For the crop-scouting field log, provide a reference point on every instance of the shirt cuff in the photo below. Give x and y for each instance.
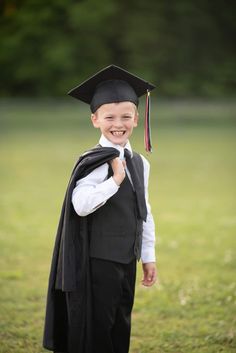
(148, 255)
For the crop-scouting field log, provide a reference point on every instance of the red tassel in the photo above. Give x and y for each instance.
(147, 128)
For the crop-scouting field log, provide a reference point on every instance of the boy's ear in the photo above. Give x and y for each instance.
(136, 117)
(94, 119)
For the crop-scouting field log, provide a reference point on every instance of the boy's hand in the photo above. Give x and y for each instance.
(149, 274)
(118, 167)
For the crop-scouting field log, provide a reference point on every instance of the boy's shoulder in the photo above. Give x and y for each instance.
(92, 159)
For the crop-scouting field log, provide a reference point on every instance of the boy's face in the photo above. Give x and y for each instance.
(116, 121)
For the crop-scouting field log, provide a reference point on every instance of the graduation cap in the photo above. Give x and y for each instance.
(112, 85)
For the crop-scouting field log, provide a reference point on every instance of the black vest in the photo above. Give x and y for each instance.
(115, 228)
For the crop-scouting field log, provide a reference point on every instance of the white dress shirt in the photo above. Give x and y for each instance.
(95, 189)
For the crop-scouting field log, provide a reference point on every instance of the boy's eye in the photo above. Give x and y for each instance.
(108, 117)
(127, 117)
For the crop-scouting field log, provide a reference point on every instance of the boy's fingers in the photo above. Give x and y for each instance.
(124, 163)
(147, 283)
(149, 278)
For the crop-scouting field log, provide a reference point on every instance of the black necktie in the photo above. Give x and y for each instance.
(138, 187)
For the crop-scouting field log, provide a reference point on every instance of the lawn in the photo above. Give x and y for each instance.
(192, 192)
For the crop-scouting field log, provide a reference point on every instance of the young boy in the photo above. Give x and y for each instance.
(105, 227)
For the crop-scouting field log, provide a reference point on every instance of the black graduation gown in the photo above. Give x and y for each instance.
(70, 262)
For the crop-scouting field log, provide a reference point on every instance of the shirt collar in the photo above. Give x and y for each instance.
(104, 142)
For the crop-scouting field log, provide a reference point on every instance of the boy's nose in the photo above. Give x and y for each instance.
(118, 123)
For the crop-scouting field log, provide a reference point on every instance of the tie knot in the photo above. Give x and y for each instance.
(127, 154)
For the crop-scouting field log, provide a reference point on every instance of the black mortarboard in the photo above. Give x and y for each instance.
(112, 85)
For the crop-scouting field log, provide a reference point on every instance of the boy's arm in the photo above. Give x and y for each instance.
(148, 242)
(95, 189)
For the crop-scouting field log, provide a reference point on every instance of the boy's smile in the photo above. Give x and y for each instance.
(116, 121)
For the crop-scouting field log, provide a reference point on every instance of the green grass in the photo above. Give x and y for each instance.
(192, 192)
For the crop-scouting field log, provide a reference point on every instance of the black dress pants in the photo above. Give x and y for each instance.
(113, 286)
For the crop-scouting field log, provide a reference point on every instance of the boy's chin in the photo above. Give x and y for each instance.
(118, 140)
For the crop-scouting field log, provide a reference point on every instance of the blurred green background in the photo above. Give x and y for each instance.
(187, 49)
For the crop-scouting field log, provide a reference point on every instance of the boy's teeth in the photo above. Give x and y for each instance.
(117, 133)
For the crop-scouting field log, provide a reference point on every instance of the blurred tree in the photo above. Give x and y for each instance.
(186, 47)
(45, 44)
